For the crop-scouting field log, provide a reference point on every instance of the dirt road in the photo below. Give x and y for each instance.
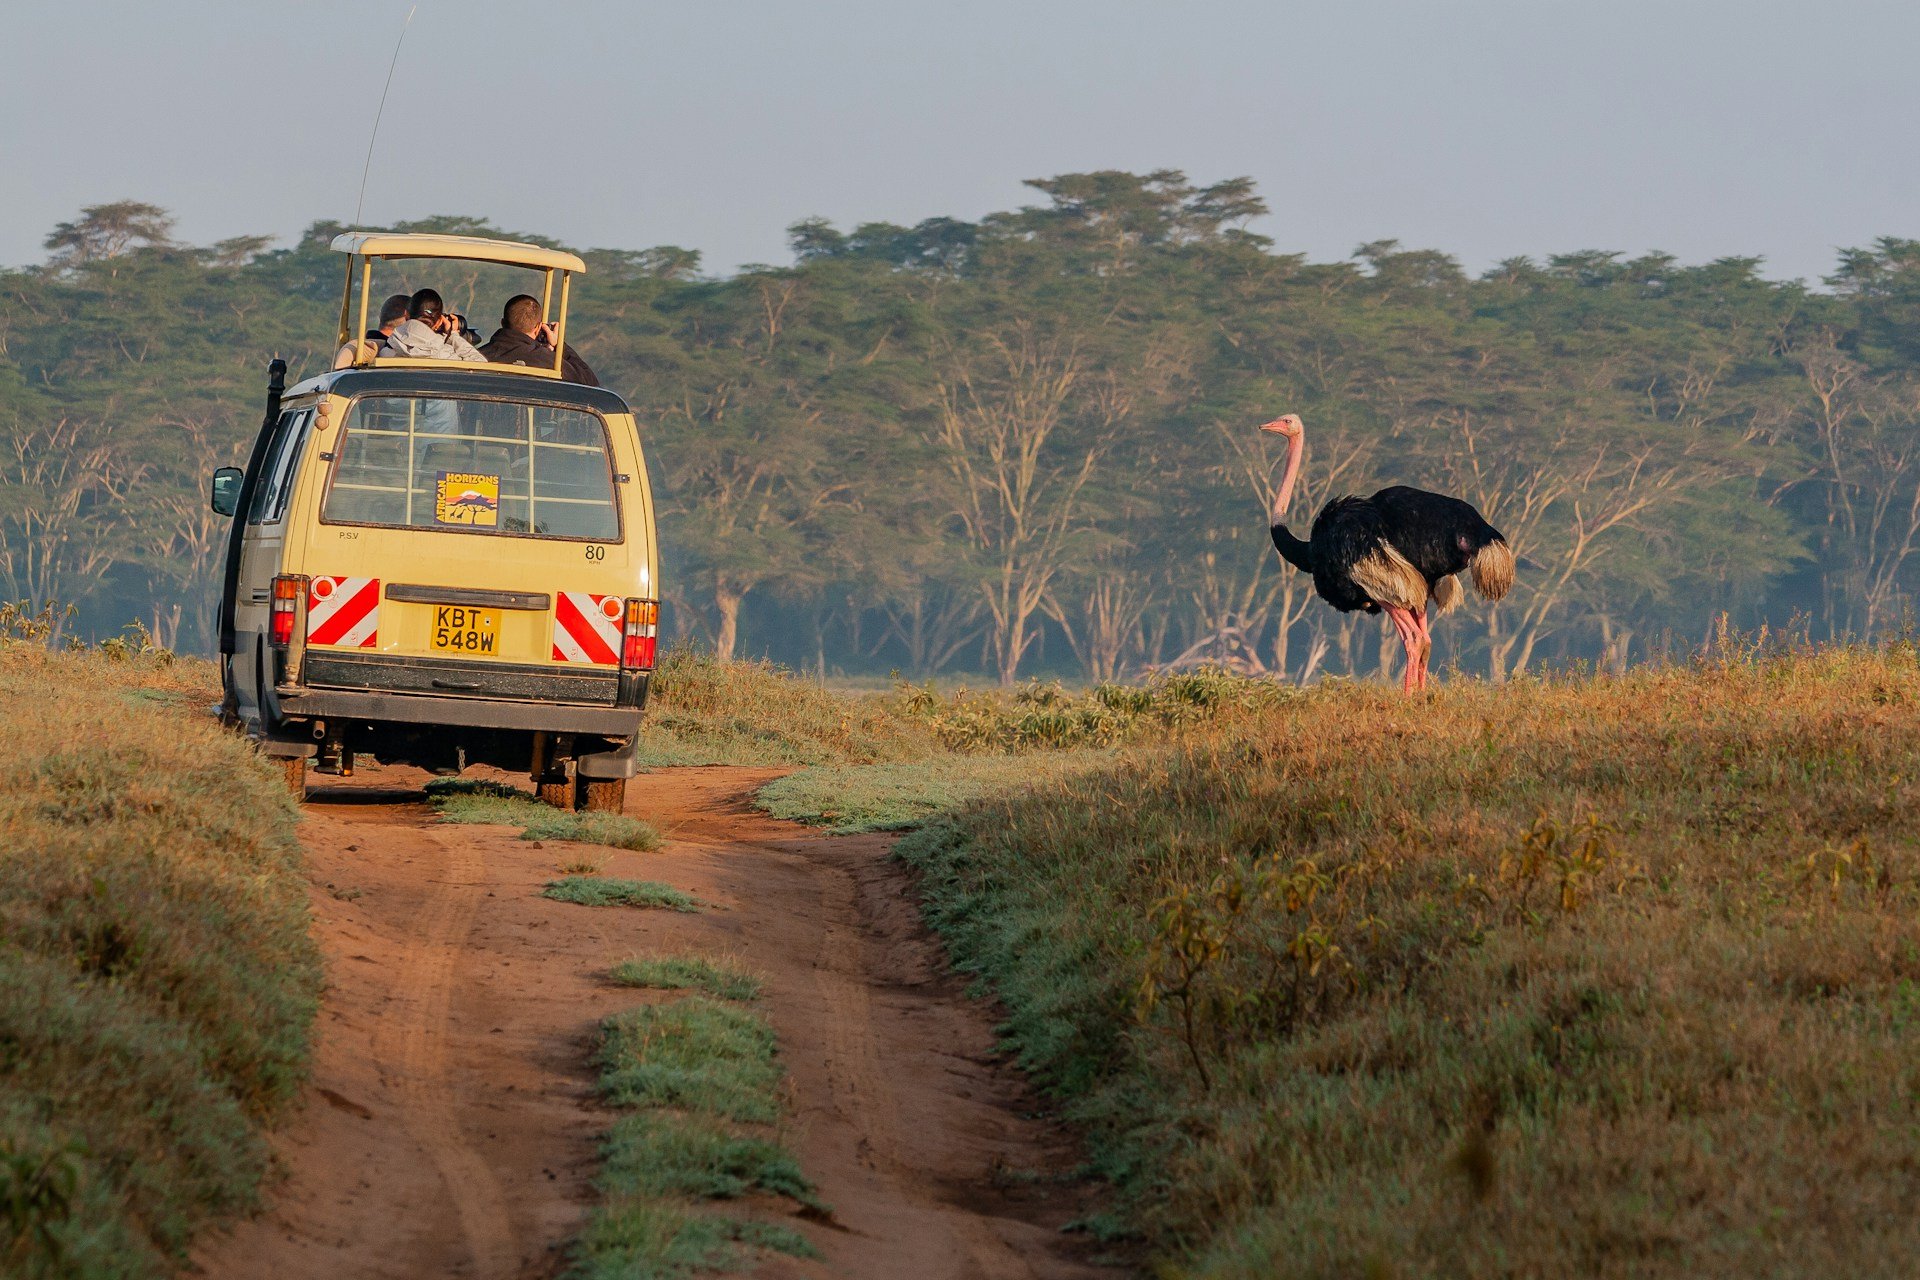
(451, 1126)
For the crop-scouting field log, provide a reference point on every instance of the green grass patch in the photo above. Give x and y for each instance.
(848, 799)
(597, 891)
(636, 1238)
(716, 978)
(1563, 977)
(656, 1153)
(697, 1054)
(688, 1072)
(490, 804)
(157, 984)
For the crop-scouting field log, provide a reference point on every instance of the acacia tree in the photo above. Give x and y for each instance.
(1007, 439)
(106, 231)
(63, 514)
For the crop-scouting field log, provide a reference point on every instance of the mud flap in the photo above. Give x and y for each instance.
(610, 765)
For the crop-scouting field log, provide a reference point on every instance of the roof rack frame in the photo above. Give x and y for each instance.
(363, 248)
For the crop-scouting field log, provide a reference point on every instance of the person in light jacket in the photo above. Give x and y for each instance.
(430, 332)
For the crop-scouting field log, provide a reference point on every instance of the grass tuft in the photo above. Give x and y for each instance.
(697, 1054)
(652, 1153)
(715, 977)
(686, 1068)
(490, 804)
(635, 1238)
(595, 891)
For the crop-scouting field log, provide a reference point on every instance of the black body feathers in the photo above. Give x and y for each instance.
(1360, 547)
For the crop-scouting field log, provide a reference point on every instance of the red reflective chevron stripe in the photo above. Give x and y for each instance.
(582, 632)
(344, 612)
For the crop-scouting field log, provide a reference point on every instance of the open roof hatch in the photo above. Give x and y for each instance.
(363, 248)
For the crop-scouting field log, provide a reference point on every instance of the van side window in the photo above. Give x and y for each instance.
(276, 476)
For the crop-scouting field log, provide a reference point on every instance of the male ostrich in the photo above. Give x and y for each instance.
(1396, 551)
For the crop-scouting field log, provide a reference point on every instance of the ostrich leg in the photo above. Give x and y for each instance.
(1423, 628)
(1403, 622)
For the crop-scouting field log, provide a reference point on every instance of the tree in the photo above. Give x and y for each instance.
(106, 231)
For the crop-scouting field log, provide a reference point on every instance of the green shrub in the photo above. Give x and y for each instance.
(716, 978)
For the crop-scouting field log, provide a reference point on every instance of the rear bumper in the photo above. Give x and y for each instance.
(326, 670)
(458, 712)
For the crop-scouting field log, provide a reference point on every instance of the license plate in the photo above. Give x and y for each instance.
(460, 629)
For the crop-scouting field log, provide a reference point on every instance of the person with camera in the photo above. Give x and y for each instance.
(430, 332)
(524, 337)
(392, 312)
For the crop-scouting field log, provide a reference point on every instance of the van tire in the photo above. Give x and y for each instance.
(558, 792)
(294, 769)
(597, 796)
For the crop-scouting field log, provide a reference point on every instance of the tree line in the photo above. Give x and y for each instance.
(1025, 445)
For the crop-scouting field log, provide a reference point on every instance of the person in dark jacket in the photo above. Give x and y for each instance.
(524, 337)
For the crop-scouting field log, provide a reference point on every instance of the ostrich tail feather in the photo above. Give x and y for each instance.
(1492, 569)
(1446, 594)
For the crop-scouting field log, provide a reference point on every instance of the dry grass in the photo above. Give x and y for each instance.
(156, 980)
(1049, 717)
(755, 713)
(1585, 977)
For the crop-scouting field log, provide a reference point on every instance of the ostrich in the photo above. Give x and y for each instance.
(1397, 551)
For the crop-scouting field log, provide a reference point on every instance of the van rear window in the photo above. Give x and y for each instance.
(474, 466)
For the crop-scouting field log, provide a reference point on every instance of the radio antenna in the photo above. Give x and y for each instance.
(367, 168)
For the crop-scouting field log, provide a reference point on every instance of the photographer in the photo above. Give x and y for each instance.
(525, 338)
(431, 332)
(392, 312)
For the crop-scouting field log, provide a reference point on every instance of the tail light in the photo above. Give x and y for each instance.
(641, 636)
(289, 593)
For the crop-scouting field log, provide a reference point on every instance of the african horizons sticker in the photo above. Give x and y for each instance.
(467, 498)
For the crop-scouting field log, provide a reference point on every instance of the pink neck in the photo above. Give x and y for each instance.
(1295, 444)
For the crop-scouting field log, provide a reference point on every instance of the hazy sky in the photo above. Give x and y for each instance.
(1485, 129)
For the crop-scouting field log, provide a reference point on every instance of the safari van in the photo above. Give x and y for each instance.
(443, 563)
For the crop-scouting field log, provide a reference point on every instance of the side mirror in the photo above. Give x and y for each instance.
(226, 490)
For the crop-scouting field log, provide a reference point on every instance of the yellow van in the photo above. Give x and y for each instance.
(443, 563)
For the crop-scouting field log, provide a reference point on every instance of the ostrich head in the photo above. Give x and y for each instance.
(1288, 425)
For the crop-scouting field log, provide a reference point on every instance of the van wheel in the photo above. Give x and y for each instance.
(603, 797)
(557, 792)
(294, 769)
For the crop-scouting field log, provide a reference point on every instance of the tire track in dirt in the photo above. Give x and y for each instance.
(453, 1123)
(412, 1044)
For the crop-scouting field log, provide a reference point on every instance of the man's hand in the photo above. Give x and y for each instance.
(548, 334)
